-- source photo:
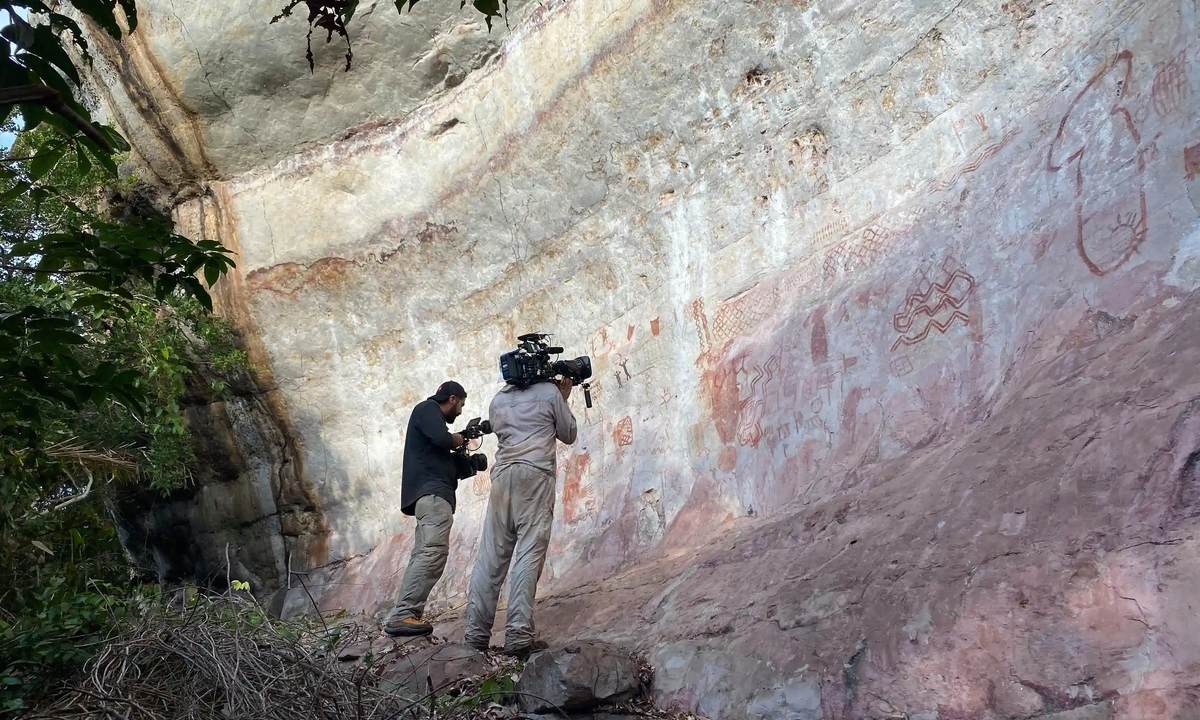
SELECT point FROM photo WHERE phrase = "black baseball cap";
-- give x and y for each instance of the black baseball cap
(446, 389)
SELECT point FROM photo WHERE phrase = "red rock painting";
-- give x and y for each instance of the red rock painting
(1098, 139)
(735, 317)
(901, 366)
(934, 305)
(820, 341)
(852, 255)
(1191, 162)
(1170, 87)
(575, 494)
(973, 164)
(623, 432)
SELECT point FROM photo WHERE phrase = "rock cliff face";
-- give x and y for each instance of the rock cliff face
(893, 308)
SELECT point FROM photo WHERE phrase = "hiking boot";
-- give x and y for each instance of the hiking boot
(481, 648)
(407, 627)
(522, 652)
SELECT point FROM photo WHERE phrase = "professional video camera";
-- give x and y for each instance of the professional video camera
(530, 363)
(467, 464)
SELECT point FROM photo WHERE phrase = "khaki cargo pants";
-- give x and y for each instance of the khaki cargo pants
(517, 529)
(428, 559)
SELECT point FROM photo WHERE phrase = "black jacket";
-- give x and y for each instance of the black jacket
(428, 467)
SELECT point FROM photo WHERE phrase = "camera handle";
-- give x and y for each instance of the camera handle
(587, 394)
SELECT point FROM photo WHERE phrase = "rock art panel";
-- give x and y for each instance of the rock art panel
(899, 429)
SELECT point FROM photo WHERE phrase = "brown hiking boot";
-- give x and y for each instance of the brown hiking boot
(407, 627)
(524, 651)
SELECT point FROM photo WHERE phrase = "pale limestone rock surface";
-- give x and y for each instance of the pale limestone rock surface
(891, 304)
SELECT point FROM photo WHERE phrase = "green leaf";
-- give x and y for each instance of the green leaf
(125, 378)
(31, 116)
(348, 11)
(56, 337)
(94, 300)
(51, 77)
(105, 372)
(38, 195)
(114, 138)
(48, 323)
(20, 32)
(81, 159)
(101, 13)
(14, 192)
(212, 273)
(62, 23)
(101, 155)
(45, 161)
(48, 45)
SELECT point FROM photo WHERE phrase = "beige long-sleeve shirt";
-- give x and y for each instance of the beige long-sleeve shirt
(527, 423)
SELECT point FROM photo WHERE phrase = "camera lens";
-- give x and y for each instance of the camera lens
(583, 365)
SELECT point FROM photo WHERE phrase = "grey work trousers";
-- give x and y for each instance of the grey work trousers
(516, 528)
(428, 559)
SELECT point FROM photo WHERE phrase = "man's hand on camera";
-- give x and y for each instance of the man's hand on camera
(456, 440)
(564, 386)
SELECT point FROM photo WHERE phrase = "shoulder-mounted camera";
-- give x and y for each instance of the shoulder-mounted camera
(531, 363)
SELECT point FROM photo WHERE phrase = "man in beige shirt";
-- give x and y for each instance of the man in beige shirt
(528, 423)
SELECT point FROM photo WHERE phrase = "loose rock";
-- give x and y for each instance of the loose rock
(1013, 700)
(1099, 711)
(577, 676)
(440, 668)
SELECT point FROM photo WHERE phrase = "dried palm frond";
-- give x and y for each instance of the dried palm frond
(117, 462)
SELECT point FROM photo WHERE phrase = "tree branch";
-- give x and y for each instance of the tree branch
(34, 271)
(53, 101)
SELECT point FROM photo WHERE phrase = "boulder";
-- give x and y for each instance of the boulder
(577, 676)
(1012, 700)
(438, 667)
(1098, 711)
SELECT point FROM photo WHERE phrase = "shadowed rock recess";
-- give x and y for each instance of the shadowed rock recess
(893, 308)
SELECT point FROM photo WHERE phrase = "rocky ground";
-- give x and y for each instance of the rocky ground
(585, 679)
(202, 657)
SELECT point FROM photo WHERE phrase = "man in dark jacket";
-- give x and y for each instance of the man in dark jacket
(427, 491)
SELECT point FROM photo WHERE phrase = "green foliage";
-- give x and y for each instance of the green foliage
(496, 689)
(104, 321)
(49, 641)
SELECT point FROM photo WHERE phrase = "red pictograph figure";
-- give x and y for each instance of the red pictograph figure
(623, 432)
(934, 306)
(1191, 162)
(850, 256)
(737, 316)
(1099, 140)
(1170, 86)
(819, 343)
(750, 429)
(901, 366)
